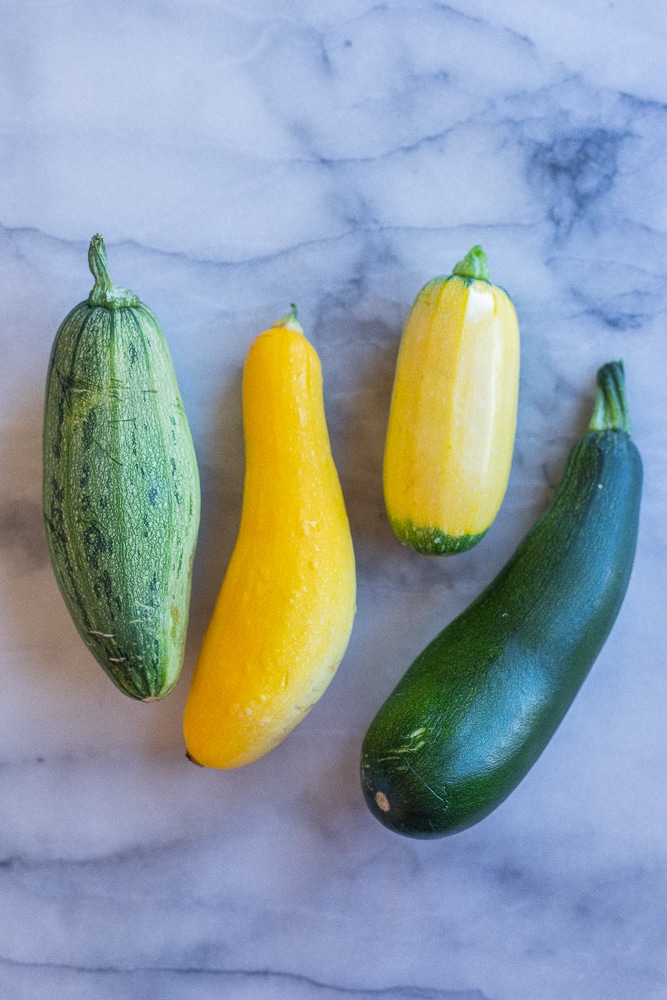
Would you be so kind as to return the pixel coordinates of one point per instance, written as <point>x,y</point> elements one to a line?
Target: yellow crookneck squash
<point>452,418</point>
<point>284,614</point>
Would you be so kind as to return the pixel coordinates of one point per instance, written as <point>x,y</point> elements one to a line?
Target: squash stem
<point>290,321</point>
<point>104,292</point>
<point>473,265</point>
<point>611,406</point>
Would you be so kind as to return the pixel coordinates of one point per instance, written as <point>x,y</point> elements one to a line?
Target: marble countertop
<point>238,157</point>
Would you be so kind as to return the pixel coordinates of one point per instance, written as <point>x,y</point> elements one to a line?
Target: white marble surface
<point>237,157</point>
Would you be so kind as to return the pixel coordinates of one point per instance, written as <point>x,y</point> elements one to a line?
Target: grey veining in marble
<point>239,157</point>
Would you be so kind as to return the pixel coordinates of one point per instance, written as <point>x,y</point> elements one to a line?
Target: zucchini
<point>120,486</point>
<point>284,614</point>
<point>452,418</point>
<point>480,703</point>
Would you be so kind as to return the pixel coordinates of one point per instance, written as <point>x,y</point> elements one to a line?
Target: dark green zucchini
<point>120,486</point>
<point>478,706</point>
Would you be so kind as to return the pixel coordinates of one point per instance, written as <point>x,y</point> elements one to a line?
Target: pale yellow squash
<point>452,420</point>
<point>284,614</point>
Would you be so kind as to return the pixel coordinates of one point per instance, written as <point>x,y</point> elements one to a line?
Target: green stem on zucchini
<point>473,265</point>
<point>104,292</point>
<point>611,406</point>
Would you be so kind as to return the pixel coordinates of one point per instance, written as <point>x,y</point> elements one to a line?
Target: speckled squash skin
<point>120,487</point>
<point>478,706</point>
<point>284,614</point>
<point>452,419</point>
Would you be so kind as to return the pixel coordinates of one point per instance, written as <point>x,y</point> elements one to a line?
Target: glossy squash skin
<point>452,419</point>
<point>284,614</point>
<point>120,486</point>
<point>480,703</point>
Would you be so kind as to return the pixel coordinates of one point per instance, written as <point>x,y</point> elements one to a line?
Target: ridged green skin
<point>478,706</point>
<point>120,489</point>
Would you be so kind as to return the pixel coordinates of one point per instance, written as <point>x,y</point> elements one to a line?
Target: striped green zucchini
<point>120,486</point>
